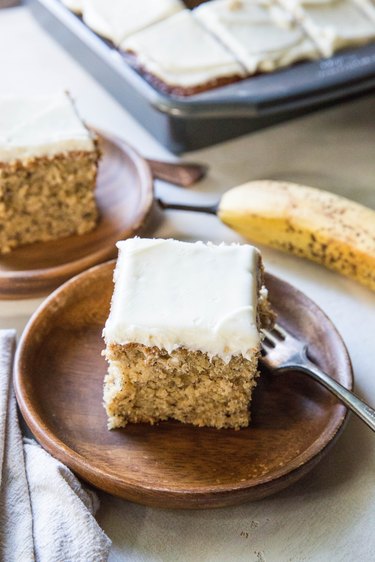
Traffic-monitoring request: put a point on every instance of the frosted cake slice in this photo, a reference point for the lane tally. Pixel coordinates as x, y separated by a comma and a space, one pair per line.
117, 19
333, 24
180, 56
182, 338
262, 35
48, 168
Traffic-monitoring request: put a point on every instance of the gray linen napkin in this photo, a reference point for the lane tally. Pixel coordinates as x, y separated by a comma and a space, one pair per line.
45, 513
9, 3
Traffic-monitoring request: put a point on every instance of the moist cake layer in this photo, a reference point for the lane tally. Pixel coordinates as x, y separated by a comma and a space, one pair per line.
146, 384
47, 198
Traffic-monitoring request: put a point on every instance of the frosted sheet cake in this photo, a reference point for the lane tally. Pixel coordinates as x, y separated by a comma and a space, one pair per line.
182, 338
184, 52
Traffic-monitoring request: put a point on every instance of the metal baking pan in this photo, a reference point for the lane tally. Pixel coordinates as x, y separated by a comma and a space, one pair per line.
187, 123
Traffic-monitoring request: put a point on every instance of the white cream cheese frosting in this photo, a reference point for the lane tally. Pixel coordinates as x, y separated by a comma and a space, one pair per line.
367, 7
117, 19
333, 24
181, 52
40, 126
73, 5
261, 34
172, 294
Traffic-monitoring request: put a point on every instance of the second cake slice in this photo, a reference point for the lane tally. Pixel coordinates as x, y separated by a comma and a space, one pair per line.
48, 169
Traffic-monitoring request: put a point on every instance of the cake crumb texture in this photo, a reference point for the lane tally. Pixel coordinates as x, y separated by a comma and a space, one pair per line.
48, 197
146, 384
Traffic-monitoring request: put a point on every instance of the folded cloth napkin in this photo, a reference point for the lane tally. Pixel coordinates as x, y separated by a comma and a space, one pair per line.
9, 3
45, 513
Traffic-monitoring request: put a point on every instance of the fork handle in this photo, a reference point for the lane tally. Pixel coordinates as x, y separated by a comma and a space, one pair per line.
355, 404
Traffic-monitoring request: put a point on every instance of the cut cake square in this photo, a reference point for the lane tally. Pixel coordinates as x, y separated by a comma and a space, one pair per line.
182, 338
334, 24
178, 55
261, 34
48, 169
117, 19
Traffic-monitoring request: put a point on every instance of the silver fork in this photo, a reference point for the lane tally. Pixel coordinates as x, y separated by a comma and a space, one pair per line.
281, 352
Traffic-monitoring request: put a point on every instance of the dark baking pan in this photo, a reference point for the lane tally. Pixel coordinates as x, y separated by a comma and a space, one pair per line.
187, 123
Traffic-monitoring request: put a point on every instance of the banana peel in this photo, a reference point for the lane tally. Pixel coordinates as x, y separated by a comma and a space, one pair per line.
311, 223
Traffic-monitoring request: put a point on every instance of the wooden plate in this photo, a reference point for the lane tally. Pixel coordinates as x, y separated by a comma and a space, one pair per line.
58, 378
124, 195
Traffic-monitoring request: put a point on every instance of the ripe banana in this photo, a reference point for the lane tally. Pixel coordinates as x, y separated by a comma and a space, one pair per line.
305, 221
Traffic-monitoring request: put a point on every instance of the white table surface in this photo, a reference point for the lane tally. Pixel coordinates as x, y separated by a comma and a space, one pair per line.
329, 516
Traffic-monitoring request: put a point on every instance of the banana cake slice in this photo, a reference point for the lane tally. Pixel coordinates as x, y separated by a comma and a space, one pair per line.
183, 334
48, 168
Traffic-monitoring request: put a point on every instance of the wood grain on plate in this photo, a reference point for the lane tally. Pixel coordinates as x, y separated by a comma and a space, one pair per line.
124, 195
59, 376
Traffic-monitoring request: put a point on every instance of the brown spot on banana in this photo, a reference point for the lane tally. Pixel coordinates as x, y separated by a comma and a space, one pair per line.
307, 222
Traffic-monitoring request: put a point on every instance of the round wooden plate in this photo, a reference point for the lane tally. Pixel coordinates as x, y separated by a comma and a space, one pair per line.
124, 195
59, 376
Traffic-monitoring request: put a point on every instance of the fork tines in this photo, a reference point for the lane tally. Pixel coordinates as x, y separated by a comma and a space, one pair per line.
273, 337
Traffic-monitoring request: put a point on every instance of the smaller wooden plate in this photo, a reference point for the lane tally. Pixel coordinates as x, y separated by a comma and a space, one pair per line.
124, 195
59, 375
